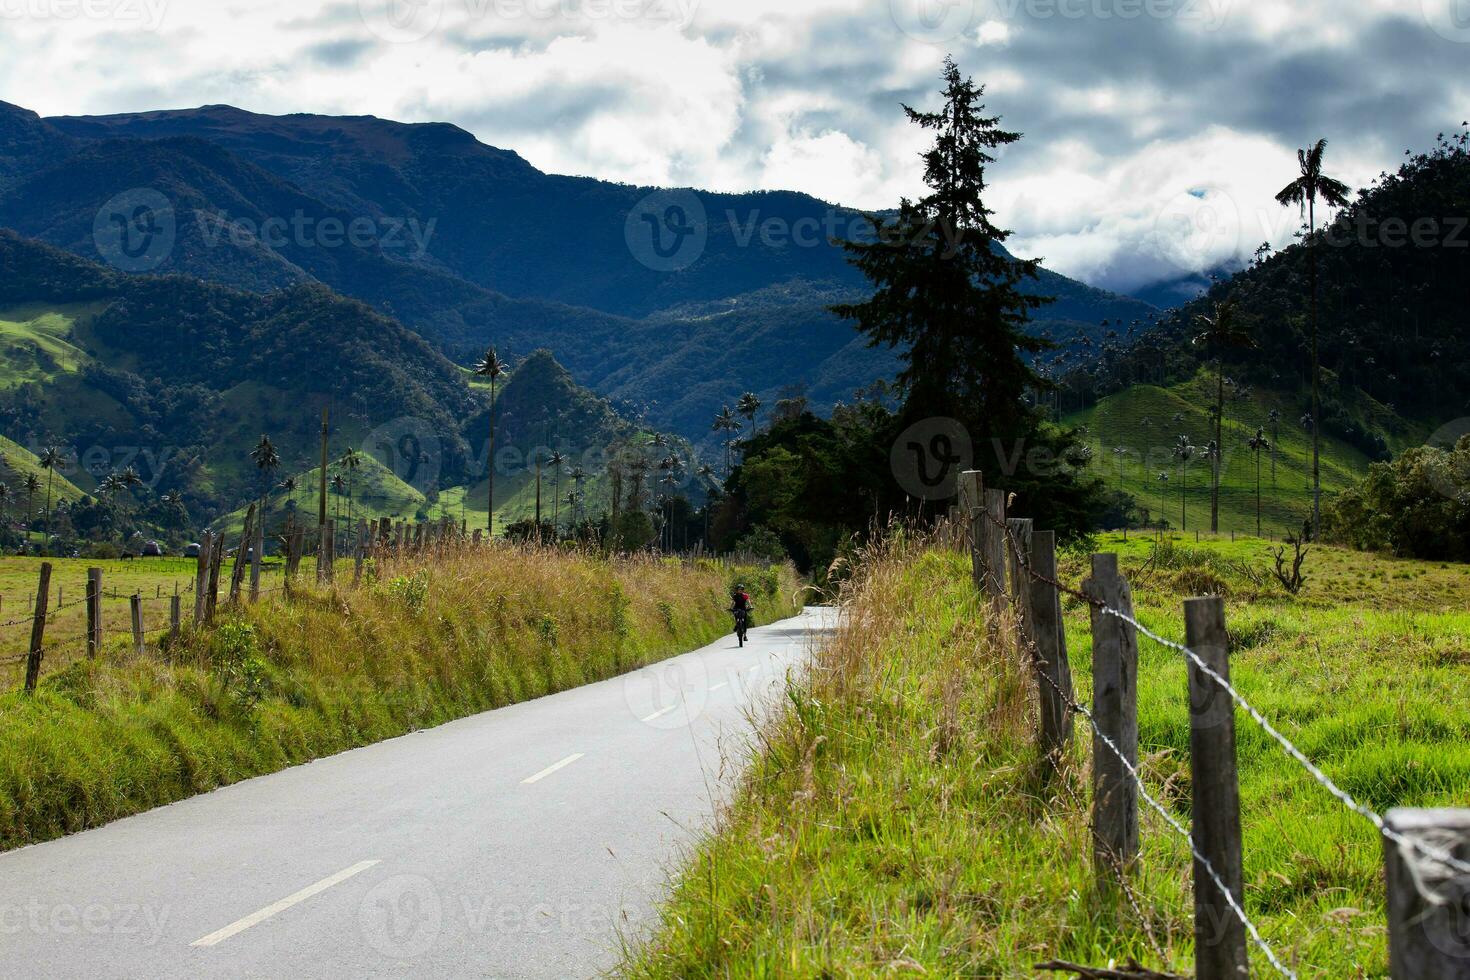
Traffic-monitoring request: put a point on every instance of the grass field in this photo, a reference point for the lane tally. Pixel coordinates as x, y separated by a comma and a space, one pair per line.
1145, 421
421, 642
38, 341
899, 819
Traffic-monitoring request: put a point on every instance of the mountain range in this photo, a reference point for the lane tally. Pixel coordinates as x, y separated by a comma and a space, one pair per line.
469, 245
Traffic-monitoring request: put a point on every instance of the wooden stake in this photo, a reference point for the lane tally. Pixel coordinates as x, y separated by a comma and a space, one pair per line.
38, 627
135, 603
94, 611
1428, 903
1115, 709
201, 576
1219, 935
1054, 682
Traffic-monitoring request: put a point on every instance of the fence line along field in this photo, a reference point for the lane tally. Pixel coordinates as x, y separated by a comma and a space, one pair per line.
154, 580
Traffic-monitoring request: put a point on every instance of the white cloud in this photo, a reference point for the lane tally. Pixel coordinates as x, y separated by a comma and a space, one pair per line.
1127, 121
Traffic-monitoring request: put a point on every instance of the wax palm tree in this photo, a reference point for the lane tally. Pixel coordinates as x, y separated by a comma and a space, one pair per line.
339, 487
1219, 333
32, 483
727, 423
1118, 453
670, 480
1259, 442
128, 479
1274, 418
267, 460
1310, 184
1163, 490
51, 460
349, 462
1185, 453
749, 406
556, 459
492, 367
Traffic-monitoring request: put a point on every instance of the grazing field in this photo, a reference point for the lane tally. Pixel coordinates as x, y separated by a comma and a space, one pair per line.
899, 819
422, 641
1145, 422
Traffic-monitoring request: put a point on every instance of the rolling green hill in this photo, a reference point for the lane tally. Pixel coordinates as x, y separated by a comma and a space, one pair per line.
1145, 421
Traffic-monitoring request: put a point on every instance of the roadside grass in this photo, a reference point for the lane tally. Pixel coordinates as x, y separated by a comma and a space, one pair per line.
421, 642
898, 818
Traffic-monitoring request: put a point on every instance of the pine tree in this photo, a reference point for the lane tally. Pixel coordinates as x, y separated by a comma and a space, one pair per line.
946, 294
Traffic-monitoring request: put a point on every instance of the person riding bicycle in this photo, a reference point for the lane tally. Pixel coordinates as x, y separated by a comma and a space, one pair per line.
740, 606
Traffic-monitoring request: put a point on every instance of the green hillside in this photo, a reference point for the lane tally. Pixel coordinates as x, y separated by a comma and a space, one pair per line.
1145, 421
39, 341
376, 493
17, 462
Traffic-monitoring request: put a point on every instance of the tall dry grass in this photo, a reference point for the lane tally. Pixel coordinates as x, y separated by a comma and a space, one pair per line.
421, 641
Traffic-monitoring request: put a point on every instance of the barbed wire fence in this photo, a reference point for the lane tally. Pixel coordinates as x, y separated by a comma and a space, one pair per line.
1426, 852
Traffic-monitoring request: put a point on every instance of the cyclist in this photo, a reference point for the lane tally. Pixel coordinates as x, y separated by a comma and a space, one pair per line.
740, 606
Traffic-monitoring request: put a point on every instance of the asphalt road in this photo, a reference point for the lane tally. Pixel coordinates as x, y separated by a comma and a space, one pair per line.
525, 842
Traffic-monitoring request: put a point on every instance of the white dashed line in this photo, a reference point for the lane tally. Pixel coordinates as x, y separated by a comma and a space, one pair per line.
720, 685
661, 712
551, 769
256, 918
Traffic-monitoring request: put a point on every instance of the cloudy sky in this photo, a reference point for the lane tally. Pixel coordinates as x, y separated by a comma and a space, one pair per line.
1156, 130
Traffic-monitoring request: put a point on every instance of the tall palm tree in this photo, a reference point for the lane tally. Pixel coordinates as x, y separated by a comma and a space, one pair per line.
749, 406
339, 487
670, 480
1310, 184
1259, 442
1219, 332
492, 367
128, 479
267, 460
1274, 417
556, 459
51, 460
1183, 452
726, 422
350, 461
32, 483
1118, 453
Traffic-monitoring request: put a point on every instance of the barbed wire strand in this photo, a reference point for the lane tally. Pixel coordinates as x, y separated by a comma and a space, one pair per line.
1430, 851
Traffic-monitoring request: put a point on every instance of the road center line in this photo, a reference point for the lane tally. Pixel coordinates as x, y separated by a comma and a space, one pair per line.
661, 712
552, 768
256, 918
719, 685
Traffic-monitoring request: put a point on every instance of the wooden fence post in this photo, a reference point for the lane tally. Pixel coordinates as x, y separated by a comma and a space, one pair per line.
216, 561
1054, 681
972, 499
323, 549
38, 627
237, 570
1115, 709
1018, 554
94, 611
201, 575
1219, 935
1428, 903
257, 555
362, 546
135, 603
174, 611
995, 547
